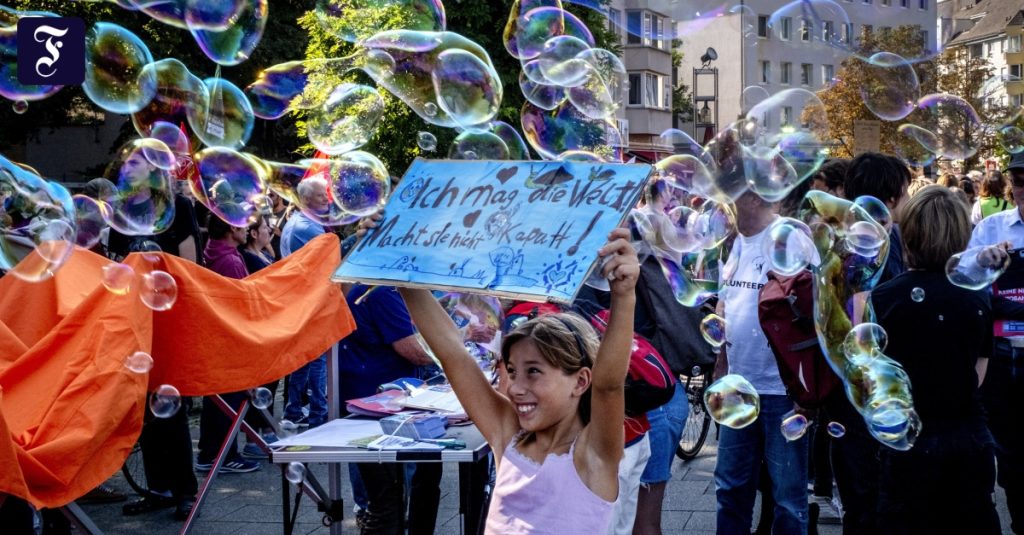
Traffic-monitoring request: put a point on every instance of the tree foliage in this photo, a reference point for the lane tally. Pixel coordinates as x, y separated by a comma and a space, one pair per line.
394, 141
844, 102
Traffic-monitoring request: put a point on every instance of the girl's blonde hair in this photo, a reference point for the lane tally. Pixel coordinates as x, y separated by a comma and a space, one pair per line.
565, 341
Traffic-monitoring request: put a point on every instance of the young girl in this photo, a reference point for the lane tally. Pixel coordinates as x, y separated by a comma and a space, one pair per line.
557, 467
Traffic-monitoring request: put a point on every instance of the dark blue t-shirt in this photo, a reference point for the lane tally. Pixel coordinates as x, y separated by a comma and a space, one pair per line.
366, 358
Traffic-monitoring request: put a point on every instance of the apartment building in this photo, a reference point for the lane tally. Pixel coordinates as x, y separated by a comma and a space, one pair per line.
646, 38
759, 54
993, 30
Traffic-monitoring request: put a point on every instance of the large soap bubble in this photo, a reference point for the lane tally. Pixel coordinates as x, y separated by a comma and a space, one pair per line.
228, 119
978, 267
36, 223
356, 20
347, 120
551, 133
230, 184
789, 247
144, 203
890, 88
465, 87
359, 183
235, 42
600, 93
953, 122
471, 145
115, 75
181, 98
732, 401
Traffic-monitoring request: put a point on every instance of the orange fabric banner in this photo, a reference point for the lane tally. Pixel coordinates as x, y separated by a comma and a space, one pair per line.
69, 409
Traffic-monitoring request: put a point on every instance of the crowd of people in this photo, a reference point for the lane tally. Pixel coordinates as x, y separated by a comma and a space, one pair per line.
557, 469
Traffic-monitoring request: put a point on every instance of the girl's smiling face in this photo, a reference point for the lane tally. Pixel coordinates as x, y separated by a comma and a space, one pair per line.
544, 395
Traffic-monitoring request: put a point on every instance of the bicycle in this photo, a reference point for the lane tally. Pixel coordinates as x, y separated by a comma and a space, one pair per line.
133, 471
698, 421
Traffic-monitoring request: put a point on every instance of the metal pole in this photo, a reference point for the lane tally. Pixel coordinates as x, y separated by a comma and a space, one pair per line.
225, 446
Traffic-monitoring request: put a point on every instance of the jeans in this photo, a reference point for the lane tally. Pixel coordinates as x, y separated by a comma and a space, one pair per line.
667, 422
385, 488
313, 375
740, 452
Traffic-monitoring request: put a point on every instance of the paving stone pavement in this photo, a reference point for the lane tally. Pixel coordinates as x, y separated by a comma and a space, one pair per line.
251, 504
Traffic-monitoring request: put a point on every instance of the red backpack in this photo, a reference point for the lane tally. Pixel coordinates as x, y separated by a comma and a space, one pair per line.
785, 309
649, 381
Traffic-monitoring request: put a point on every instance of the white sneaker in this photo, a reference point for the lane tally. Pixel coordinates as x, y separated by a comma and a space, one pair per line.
829, 510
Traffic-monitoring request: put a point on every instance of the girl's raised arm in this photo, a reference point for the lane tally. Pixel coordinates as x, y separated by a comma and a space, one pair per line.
493, 414
604, 434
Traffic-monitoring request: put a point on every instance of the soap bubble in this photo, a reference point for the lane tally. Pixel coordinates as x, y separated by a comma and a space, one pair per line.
865, 339
876, 209
528, 29
90, 220
144, 203
752, 96
543, 96
1011, 138
359, 183
783, 113
213, 15
171, 13
789, 247
159, 291
732, 401
181, 98
347, 120
600, 93
917, 294
560, 62
235, 42
551, 133
690, 287
992, 92
890, 88
356, 20
262, 397
516, 145
769, 174
165, 401
794, 425
466, 87
953, 122
426, 141
277, 86
712, 328
228, 119
36, 223
295, 473
865, 238
19, 106
977, 267
481, 145
12, 89
115, 75
284, 179
915, 146
836, 429
139, 362
894, 424
230, 184
117, 278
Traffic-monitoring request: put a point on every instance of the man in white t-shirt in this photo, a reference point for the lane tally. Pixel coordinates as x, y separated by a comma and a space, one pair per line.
742, 451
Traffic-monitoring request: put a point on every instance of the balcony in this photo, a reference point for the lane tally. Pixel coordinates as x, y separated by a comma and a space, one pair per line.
1014, 57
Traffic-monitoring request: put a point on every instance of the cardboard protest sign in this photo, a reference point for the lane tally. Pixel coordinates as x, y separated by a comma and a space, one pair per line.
521, 229
1011, 286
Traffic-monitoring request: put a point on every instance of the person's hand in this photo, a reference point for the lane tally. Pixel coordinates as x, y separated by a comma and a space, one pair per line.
622, 269
368, 222
994, 257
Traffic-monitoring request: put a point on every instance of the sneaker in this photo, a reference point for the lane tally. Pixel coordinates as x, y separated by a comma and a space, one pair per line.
828, 510
239, 466
253, 451
301, 421
270, 438
204, 467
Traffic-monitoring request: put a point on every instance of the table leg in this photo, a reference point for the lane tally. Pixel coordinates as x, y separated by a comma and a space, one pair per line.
472, 478
236, 423
285, 501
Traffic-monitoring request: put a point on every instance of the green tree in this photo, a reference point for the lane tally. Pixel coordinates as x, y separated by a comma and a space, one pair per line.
965, 76
394, 142
682, 106
844, 102
282, 38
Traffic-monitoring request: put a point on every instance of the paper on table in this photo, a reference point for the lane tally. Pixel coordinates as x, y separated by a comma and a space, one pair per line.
393, 442
436, 398
334, 433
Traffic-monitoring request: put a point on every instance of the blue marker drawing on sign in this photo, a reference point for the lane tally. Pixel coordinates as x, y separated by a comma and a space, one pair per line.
528, 229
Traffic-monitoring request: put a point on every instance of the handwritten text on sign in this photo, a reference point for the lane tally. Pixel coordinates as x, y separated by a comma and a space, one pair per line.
525, 227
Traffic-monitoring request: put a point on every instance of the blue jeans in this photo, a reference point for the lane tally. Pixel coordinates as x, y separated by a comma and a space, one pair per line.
740, 452
313, 375
667, 423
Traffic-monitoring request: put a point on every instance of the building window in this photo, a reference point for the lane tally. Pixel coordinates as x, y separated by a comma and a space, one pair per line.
614, 20
784, 72
634, 27
766, 72
652, 90
806, 74
659, 31
924, 39
904, 3
976, 50
805, 30
845, 31
786, 117
867, 1
922, 4
635, 89
786, 30
828, 31
1018, 100
648, 28
827, 73
1015, 70
887, 3
762, 26
1013, 44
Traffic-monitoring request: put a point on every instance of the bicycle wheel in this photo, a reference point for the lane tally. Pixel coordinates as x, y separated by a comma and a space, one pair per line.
698, 421
134, 472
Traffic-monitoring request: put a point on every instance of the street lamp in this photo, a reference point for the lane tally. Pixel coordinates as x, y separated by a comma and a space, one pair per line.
706, 115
